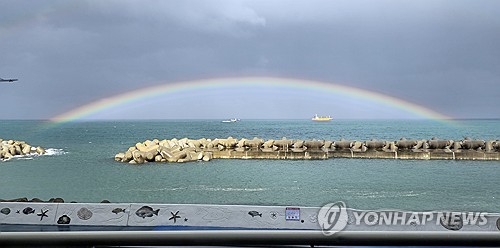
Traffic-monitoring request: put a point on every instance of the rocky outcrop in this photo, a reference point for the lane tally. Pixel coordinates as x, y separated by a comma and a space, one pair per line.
183, 150
11, 148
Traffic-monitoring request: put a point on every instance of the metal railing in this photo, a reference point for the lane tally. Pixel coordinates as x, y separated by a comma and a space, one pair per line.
251, 237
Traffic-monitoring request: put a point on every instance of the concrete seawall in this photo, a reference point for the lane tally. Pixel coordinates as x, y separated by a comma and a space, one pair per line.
29, 216
185, 150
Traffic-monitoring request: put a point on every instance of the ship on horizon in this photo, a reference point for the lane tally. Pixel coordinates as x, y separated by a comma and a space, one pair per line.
321, 118
231, 120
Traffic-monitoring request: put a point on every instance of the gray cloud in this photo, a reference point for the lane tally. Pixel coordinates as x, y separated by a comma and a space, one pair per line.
440, 54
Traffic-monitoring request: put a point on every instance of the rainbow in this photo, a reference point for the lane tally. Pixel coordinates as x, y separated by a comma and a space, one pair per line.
222, 83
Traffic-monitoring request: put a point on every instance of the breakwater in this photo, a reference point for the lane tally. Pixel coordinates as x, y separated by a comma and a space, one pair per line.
11, 148
185, 150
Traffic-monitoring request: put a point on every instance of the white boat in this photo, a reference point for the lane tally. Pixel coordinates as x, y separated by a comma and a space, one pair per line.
231, 120
321, 118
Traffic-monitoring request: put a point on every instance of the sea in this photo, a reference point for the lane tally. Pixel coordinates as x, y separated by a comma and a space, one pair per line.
80, 166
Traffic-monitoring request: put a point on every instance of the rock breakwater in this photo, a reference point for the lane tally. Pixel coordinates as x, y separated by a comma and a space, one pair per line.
11, 148
185, 150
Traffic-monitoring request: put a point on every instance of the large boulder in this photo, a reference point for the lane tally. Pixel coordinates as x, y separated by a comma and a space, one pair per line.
390, 147
12, 150
254, 143
226, 143
496, 145
284, 143
298, 144
241, 143
420, 144
328, 144
343, 144
207, 156
139, 157
268, 144
148, 143
404, 144
7, 156
150, 156
141, 147
40, 150
26, 149
374, 144
473, 144
128, 156
313, 144
166, 153
488, 146
158, 158
439, 144
357, 145
119, 157
196, 144
457, 145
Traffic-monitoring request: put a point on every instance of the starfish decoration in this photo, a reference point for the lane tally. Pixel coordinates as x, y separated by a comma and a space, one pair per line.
273, 215
43, 214
174, 216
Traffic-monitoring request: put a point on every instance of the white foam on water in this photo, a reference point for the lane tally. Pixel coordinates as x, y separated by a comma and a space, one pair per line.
48, 152
54, 152
207, 188
387, 194
158, 189
23, 157
201, 188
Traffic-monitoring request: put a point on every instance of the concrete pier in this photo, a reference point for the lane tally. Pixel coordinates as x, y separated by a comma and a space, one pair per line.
185, 150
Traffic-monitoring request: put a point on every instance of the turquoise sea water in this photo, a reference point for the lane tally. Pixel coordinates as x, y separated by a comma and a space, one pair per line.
83, 170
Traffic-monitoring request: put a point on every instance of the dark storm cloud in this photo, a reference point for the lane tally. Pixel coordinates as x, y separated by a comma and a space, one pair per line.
440, 54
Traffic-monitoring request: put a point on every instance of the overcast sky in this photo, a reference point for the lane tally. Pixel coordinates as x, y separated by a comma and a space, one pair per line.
443, 55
